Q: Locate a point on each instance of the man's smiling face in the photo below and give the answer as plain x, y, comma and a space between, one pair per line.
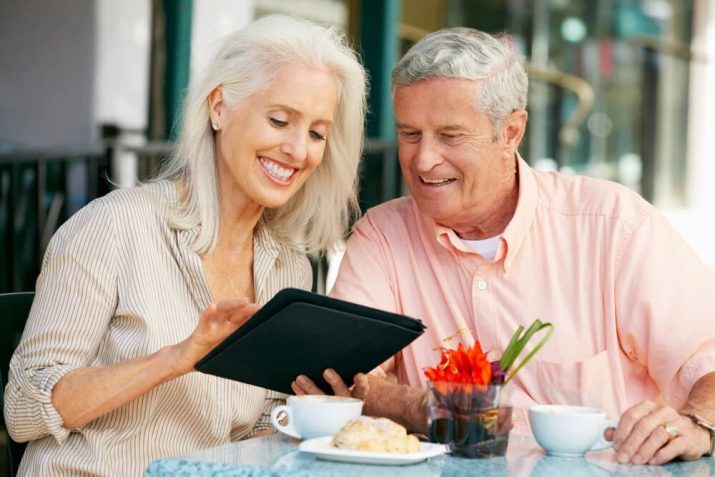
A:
454, 167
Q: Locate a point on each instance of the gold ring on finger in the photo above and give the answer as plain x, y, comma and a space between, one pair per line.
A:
671, 430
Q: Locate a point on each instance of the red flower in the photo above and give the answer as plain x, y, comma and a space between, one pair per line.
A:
471, 366
463, 365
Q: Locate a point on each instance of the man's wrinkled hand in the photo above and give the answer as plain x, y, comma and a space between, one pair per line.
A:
304, 385
381, 397
650, 433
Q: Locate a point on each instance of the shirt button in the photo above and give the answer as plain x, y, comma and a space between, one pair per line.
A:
482, 285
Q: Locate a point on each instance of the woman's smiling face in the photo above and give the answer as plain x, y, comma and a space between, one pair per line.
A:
268, 146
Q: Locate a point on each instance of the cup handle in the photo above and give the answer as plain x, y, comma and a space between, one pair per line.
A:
602, 443
288, 429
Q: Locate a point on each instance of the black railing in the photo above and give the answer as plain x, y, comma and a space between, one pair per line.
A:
41, 189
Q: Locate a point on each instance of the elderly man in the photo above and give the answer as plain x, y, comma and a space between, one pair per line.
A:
485, 243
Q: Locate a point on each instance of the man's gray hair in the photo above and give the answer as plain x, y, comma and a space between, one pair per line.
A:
470, 54
318, 214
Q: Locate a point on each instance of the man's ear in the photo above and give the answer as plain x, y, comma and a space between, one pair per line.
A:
514, 128
216, 106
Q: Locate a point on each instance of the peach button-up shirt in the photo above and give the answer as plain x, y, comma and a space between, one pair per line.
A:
632, 306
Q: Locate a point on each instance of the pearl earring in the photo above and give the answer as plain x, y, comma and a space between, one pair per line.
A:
214, 126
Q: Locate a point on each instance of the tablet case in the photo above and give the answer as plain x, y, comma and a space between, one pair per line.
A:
298, 332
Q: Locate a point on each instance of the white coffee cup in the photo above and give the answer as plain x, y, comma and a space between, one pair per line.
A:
316, 416
569, 431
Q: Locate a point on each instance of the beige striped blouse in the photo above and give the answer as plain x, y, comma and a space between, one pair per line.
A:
117, 282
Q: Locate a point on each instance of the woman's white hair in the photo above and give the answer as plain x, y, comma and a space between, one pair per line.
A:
470, 54
319, 214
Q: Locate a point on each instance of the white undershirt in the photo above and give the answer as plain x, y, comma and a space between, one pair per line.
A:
487, 248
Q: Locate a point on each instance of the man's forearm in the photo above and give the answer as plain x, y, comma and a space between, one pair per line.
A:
403, 404
701, 400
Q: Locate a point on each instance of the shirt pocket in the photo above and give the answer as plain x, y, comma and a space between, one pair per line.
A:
587, 382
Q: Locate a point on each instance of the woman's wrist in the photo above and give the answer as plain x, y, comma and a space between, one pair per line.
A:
169, 359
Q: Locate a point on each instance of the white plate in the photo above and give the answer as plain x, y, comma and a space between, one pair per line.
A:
320, 446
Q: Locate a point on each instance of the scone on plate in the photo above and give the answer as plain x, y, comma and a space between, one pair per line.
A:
370, 434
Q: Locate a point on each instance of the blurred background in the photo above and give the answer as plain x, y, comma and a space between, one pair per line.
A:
90, 91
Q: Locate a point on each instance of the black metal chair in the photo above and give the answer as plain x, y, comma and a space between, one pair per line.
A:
14, 308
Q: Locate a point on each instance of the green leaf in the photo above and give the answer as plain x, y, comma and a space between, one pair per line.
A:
507, 359
520, 343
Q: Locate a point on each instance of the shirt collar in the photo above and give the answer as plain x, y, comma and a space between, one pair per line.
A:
267, 253
518, 227
515, 232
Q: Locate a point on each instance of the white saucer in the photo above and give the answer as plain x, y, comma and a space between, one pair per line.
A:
320, 446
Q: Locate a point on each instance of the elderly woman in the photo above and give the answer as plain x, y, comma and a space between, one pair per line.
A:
140, 284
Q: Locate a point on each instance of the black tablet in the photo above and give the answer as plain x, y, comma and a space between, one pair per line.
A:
298, 332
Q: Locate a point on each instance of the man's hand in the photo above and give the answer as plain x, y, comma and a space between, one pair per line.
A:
650, 433
304, 385
381, 397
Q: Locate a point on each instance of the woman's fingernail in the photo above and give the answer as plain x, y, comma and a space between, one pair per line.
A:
622, 457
